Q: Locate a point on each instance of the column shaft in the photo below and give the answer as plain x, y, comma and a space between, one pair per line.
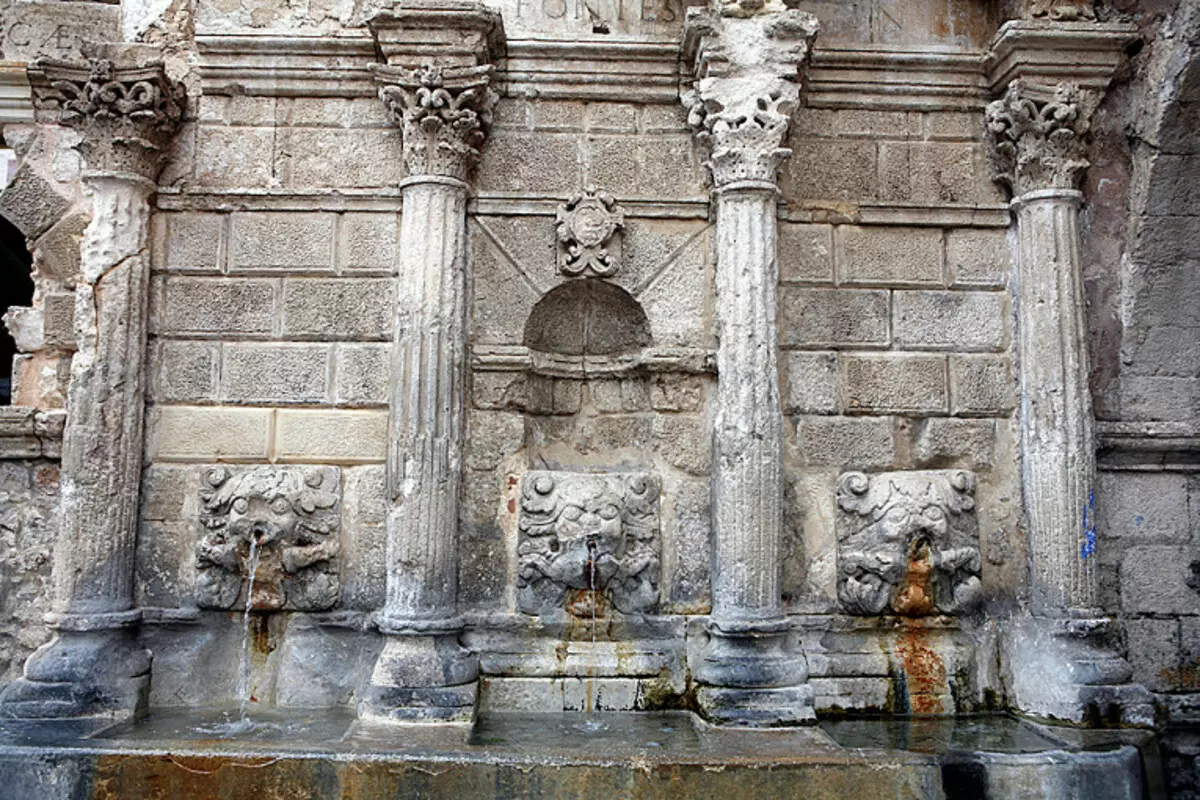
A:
429, 375
102, 443
747, 489
1057, 428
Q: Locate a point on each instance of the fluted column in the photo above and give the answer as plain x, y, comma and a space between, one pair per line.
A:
748, 68
443, 109
94, 666
426, 436
1061, 658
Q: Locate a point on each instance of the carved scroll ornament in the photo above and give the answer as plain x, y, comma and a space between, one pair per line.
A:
588, 228
127, 115
908, 542
291, 516
444, 115
587, 541
1038, 142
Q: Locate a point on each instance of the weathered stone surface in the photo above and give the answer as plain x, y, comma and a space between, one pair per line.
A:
1157, 579
340, 308
275, 374
185, 371
282, 241
895, 383
28, 528
946, 442
949, 320
899, 256
834, 317
977, 257
981, 384
813, 383
855, 442
203, 306
31, 203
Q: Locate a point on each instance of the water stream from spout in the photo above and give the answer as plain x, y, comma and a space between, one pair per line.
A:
243, 688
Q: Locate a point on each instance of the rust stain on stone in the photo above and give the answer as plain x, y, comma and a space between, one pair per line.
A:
924, 669
1185, 677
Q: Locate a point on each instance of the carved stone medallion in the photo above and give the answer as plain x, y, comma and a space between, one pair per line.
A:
280, 524
589, 240
588, 541
908, 542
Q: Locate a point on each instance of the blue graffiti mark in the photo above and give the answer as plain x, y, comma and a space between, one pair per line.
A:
1089, 527
1139, 520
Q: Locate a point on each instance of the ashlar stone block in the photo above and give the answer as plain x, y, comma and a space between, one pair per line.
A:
825, 318
881, 255
950, 320
895, 383
275, 241
338, 308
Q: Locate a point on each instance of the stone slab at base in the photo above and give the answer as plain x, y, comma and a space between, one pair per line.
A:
602, 756
757, 708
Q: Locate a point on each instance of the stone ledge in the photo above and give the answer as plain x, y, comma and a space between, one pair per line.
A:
26, 432
16, 105
1148, 446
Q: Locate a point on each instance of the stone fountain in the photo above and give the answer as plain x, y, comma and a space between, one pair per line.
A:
458, 480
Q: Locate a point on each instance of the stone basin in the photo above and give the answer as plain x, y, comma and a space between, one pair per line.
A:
330, 754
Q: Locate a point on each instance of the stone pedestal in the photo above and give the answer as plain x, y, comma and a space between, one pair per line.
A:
443, 108
1061, 658
747, 67
126, 111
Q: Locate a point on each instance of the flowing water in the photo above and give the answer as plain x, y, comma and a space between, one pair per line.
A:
243, 724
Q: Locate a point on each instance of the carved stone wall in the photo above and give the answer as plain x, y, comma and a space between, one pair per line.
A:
908, 543
271, 540
588, 542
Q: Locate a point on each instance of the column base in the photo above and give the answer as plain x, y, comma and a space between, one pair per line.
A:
1068, 669
756, 708
422, 677
751, 676
83, 673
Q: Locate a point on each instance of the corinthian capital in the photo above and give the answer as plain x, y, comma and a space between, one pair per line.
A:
749, 61
126, 115
443, 114
1039, 141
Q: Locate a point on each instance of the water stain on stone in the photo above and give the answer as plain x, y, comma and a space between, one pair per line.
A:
924, 671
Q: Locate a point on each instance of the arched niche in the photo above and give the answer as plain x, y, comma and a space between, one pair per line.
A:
587, 317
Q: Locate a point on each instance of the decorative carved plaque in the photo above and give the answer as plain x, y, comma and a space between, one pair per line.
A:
908, 542
588, 541
589, 234
292, 517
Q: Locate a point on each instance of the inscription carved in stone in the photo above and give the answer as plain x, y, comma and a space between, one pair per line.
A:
589, 240
908, 542
588, 541
444, 115
1037, 142
291, 516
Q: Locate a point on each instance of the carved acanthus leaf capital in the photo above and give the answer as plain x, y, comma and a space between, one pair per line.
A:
749, 66
1039, 140
126, 115
444, 115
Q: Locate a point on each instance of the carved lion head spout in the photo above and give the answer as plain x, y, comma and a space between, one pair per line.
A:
908, 543
277, 525
588, 537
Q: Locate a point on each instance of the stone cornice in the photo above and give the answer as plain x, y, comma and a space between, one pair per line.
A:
450, 33
1044, 53
748, 69
26, 432
16, 103
127, 114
